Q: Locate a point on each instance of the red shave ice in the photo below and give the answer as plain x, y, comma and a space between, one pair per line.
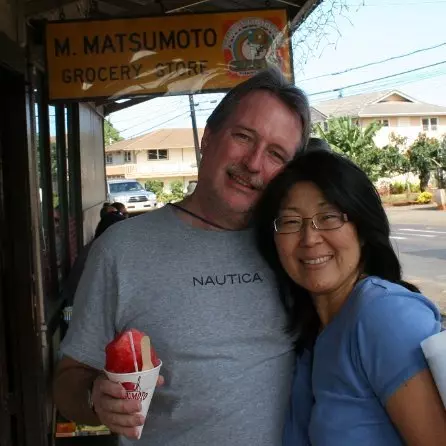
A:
119, 353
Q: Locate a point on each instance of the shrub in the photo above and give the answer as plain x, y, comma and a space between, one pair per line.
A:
177, 188
424, 198
165, 198
176, 193
155, 186
397, 188
414, 187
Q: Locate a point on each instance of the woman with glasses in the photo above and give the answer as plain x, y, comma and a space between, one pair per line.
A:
361, 378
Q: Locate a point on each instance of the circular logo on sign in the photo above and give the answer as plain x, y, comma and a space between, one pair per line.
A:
249, 45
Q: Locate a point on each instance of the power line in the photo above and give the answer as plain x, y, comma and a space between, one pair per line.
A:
421, 77
145, 120
334, 90
164, 114
374, 63
161, 123
204, 109
410, 79
136, 134
159, 107
387, 85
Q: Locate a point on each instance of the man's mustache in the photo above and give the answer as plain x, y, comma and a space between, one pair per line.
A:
253, 180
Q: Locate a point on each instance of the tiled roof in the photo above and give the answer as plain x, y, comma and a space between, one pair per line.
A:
348, 105
402, 109
316, 115
381, 103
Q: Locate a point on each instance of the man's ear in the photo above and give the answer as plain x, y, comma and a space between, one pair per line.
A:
205, 140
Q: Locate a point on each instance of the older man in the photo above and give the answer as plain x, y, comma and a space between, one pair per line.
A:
189, 276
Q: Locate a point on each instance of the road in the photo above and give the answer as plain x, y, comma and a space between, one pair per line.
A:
419, 238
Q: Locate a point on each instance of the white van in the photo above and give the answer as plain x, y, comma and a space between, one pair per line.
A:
132, 194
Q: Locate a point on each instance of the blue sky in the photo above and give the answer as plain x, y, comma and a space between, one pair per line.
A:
363, 34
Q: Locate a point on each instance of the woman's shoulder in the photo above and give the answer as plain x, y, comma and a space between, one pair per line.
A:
378, 300
379, 286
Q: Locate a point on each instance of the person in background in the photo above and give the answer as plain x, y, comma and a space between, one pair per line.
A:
189, 276
120, 207
106, 221
70, 286
106, 208
361, 377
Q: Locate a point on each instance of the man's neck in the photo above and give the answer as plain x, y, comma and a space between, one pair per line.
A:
214, 214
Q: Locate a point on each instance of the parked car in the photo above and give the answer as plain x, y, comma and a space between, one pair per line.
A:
131, 193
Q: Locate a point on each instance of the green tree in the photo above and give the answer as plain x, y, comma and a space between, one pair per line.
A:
176, 193
111, 135
423, 157
347, 137
177, 188
440, 172
392, 158
155, 186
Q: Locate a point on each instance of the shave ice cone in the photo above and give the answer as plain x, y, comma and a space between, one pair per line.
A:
132, 362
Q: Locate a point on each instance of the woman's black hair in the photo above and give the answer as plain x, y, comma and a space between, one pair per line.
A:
106, 221
346, 186
119, 206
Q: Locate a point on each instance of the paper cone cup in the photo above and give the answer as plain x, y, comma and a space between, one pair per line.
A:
434, 345
139, 386
434, 349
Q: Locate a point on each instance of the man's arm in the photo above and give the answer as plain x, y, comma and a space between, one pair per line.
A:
72, 383
73, 380
91, 328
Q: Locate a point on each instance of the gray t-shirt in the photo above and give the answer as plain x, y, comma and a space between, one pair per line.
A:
210, 305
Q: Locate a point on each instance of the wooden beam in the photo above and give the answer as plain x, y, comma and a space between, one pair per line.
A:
133, 7
38, 6
11, 54
122, 4
307, 8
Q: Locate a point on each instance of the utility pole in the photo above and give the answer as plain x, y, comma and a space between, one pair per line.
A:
195, 130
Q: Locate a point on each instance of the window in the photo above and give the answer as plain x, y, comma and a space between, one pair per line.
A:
429, 124
157, 154
125, 186
109, 159
383, 122
127, 157
434, 123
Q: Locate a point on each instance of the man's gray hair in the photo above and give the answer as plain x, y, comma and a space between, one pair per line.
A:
271, 80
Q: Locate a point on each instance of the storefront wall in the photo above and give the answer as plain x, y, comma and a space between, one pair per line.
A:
22, 415
52, 185
92, 167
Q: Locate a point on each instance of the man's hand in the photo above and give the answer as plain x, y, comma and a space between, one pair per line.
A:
113, 410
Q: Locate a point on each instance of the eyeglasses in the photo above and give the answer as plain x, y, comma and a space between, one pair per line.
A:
324, 221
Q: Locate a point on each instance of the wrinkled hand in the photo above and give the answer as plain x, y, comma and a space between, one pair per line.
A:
114, 411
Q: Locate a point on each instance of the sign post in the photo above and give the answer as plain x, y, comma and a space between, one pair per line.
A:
195, 130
